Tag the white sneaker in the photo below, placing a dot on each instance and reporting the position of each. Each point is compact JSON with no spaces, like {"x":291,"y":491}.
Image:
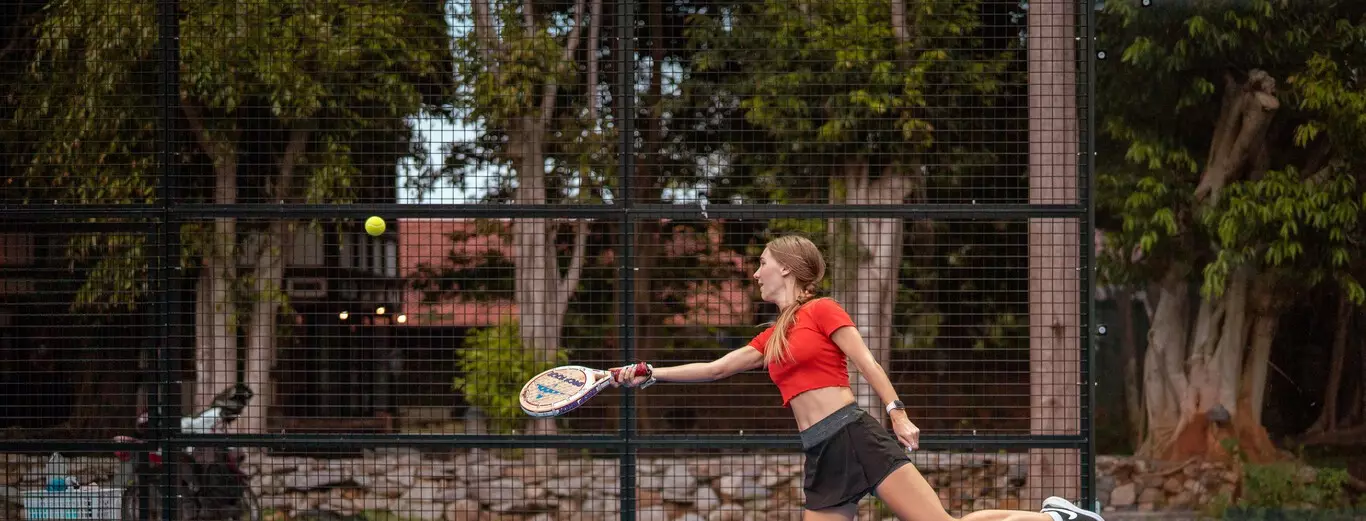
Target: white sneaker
{"x":1063,"y":510}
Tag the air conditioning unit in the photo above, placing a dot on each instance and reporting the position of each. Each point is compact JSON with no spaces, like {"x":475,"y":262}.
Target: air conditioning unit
{"x":306,"y":287}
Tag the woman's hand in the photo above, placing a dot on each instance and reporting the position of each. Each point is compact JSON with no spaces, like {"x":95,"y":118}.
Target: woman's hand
{"x":626,"y":376}
{"x":906,"y":432}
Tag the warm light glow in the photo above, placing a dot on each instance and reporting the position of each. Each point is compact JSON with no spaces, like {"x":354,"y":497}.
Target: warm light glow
{"x":379,"y":310}
{"x":402,"y":319}
{"x":343,"y":315}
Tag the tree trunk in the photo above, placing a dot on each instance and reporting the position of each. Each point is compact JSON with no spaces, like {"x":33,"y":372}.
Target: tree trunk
{"x":1054,"y":249}
{"x":1265,"y":321}
{"x":541,"y":293}
{"x":1216,"y":397}
{"x":1252,"y":393}
{"x":268,"y":284}
{"x":1128,"y":351}
{"x":539,"y":328}
{"x":1328,"y":416}
{"x":1163,"y":363}
{"x":272,"y":257}
{"x":1208,"y":390}
{"x":217,"y":370}
{"x":216,"y":361}
{"x":1358,"y":407}
{"x":865,"y":263}
{"x":216,"y":353}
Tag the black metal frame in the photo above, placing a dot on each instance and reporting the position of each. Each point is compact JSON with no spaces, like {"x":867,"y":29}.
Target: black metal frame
{"x":157,"y":220}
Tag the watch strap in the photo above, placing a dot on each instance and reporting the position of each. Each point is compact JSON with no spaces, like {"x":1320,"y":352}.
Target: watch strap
{"x":894,"y":405}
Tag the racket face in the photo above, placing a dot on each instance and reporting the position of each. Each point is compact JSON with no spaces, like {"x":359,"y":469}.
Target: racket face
{"x":559,"y":390}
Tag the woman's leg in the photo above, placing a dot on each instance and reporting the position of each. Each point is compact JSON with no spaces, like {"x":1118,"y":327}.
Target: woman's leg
{"x":911,"y":498}
{"x":844,"y":513}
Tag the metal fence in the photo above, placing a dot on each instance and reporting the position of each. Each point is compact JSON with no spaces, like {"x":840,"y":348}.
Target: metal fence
{"x":188,"y":186}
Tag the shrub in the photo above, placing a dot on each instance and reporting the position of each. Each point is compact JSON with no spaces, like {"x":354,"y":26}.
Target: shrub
{"x":494,"y":367}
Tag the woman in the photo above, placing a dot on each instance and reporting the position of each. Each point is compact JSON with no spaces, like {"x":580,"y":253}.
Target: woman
{"x":807,"y":362}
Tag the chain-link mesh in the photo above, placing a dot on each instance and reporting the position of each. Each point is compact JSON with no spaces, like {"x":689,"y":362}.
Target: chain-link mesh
{"x":295,"y":259}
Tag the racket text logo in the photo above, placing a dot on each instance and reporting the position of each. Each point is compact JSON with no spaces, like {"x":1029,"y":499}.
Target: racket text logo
{"x":571,"y":381}
{"x":544,"y":389}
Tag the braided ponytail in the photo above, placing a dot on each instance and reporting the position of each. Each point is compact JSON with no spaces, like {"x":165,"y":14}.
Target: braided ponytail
{"x":804,"y":261}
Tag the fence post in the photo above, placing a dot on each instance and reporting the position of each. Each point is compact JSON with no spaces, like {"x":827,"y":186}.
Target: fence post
{"x":1086,"y":167}
{"x":625,"y":105}
{"x":163,"y":411}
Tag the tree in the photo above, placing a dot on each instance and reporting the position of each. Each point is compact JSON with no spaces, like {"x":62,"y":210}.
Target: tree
{"x":299,"y":83}
{"x":522,"y":65}
{"x":847,"y":95}
{"x":1240,"y":196}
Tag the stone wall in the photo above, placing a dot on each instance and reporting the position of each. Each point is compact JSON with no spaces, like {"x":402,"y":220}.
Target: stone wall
{"x":480,"y":486}
{"x":1127,"y":484}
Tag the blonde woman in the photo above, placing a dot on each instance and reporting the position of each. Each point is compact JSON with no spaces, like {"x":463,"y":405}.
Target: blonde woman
{"x":848,"y":454}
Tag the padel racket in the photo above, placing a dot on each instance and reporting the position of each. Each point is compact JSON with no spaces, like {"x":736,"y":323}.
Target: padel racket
{"x":562,"y":389}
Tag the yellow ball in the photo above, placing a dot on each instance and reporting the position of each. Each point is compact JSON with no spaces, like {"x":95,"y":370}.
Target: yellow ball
{"x":374,"y":226}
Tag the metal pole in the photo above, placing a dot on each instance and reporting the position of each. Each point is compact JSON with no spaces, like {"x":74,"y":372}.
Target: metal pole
{"x":1087,"y":171}
{"x":625,"y":105}
{"x":160,"y":410}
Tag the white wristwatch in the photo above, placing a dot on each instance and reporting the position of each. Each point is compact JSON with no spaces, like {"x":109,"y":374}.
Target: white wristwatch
{"x":896,"y":404}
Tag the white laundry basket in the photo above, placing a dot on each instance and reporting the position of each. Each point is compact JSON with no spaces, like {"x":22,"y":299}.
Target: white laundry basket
{"x":90,"y":503}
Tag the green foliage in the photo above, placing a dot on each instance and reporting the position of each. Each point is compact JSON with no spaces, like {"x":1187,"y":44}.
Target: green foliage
{"x":829,"y":80}
{"x":1275,"y":490}
{"x":348,"y":71}
{"x":1286,"y":490}
{"x":507,"y":81}
{"x":495,"y":368}
{"x":109,"y":285}
{"x":1154,"y":141}
{"x":1305,"y":229}
{"x":507,"y":75}
{"x":1282,"y":484}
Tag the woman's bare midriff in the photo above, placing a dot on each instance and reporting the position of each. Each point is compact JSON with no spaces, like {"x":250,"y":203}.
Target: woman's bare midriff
{"x":812,"y":406}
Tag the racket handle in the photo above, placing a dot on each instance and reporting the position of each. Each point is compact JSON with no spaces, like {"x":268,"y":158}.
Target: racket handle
{"x":641,"y":369}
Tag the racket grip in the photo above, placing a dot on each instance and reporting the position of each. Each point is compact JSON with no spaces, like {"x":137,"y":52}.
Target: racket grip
{"x":641,"y":369}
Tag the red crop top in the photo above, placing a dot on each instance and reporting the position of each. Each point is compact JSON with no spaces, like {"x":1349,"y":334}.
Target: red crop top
{"x":813,"y":360}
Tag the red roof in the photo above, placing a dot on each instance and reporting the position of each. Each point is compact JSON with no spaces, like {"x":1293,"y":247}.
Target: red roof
{"x":428,"y":242}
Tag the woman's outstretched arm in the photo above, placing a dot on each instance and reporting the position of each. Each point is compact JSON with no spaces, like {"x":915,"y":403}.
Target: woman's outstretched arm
{"x":737,"y":361}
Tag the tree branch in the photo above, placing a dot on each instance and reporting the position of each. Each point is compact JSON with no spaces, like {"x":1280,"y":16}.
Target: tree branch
{"x":899,"y":29}
{"x":483,"y":32}
{"x":1352,"y":436}
{"x":1225,"y":127}
{"x":219,"y":150}
{"x":529,"y":15}
{"x":1318,"y":159}
{"x":570,"y":48}
{"x":1239,"y":129}
{"x":283,"y":188}
{"x":571,"y":279}
{"x":594,"y":27}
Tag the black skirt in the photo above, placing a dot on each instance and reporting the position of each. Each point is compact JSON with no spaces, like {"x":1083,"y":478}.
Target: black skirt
{"x":848,"y":454}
